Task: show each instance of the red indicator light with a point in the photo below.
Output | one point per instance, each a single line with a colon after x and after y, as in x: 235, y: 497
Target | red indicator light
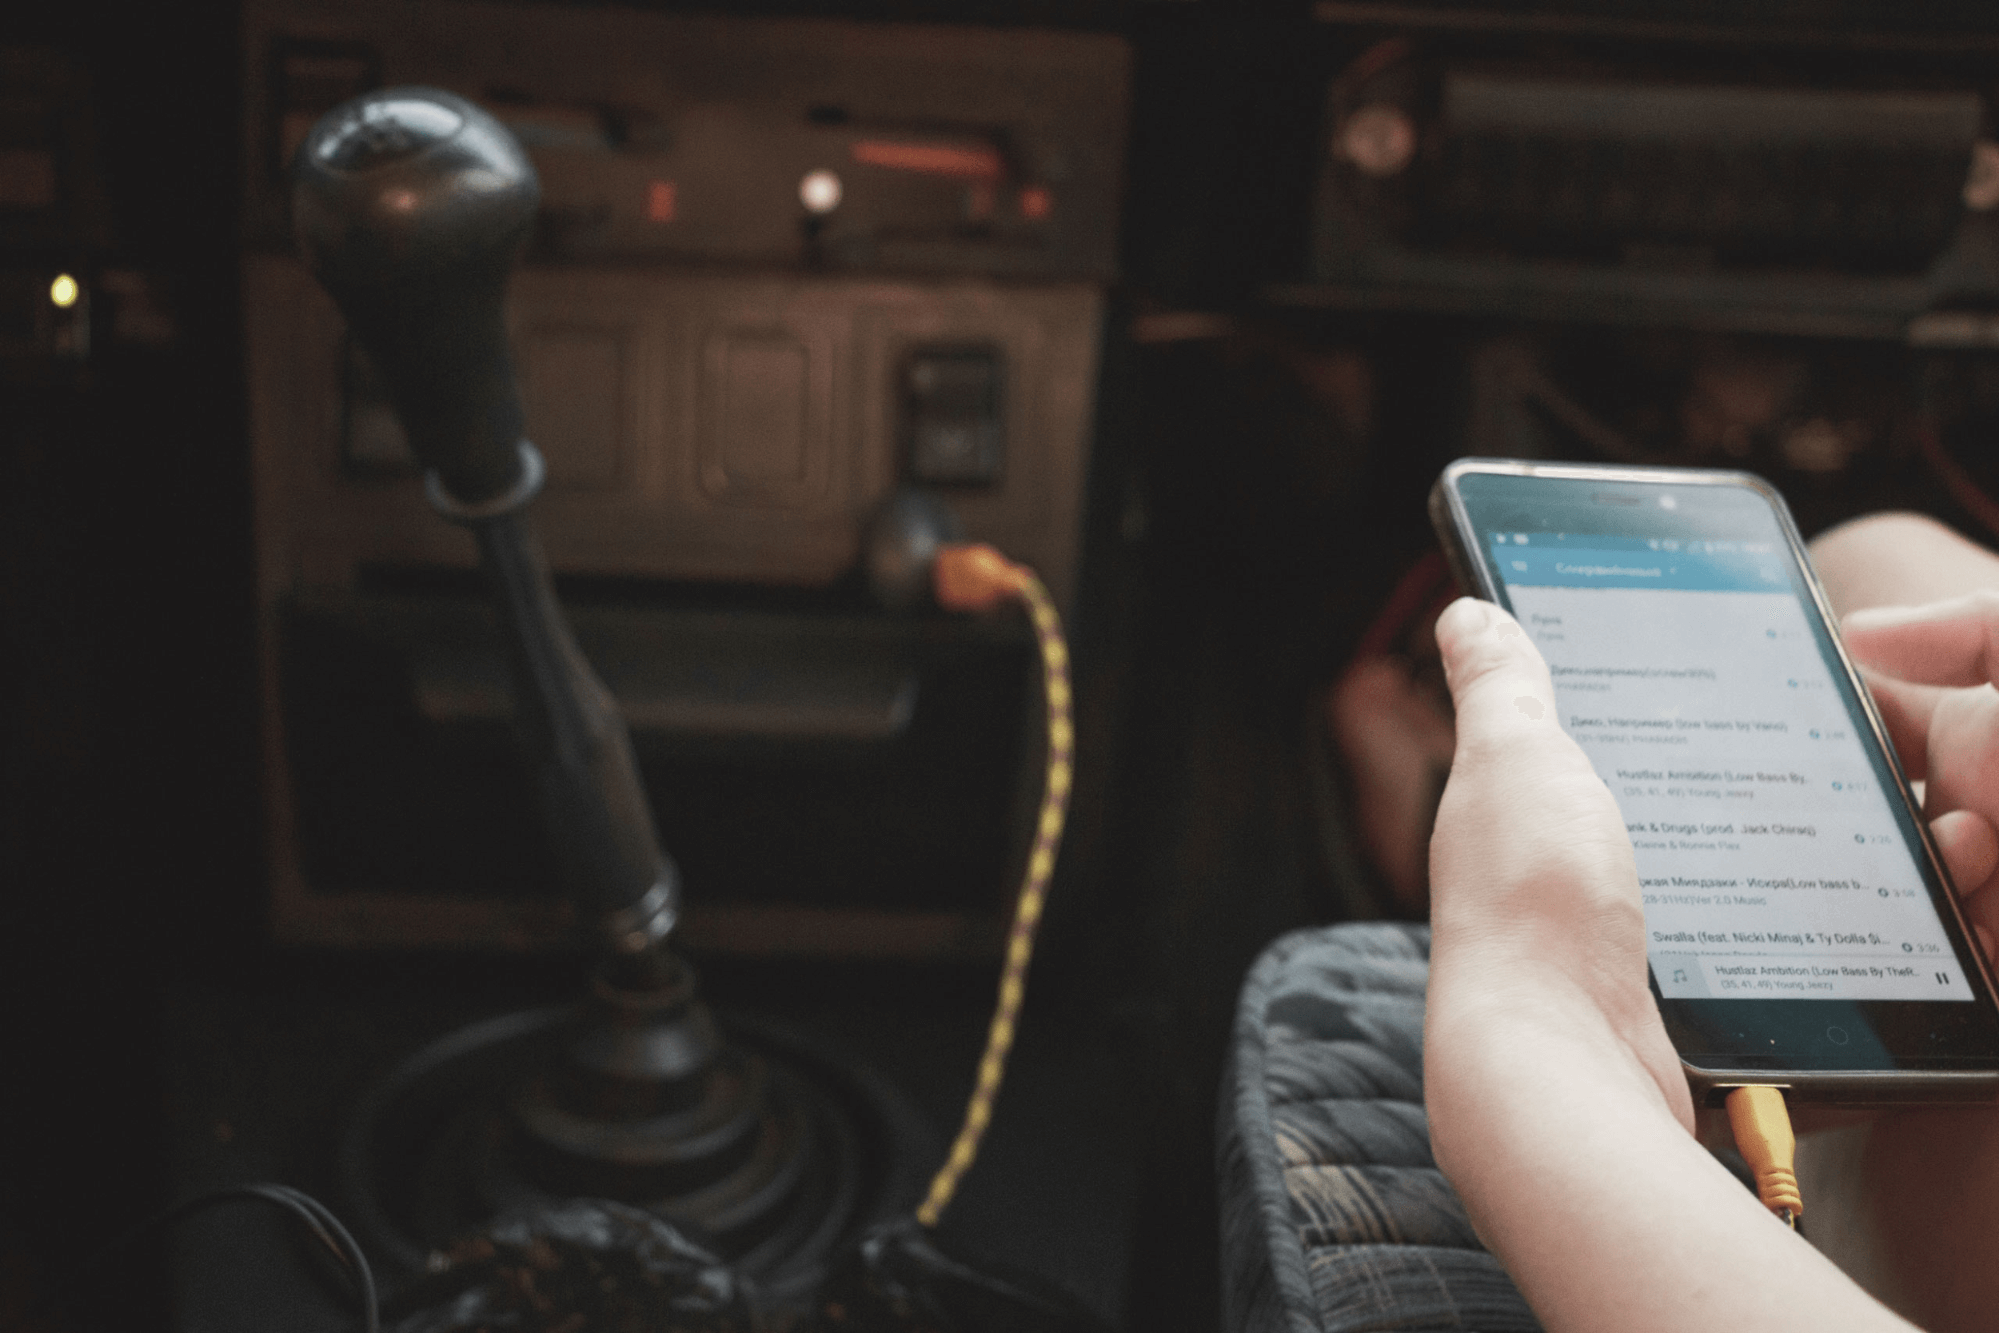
x: 1036, y: 203
x: 962, y: 163
x: 661, y: 201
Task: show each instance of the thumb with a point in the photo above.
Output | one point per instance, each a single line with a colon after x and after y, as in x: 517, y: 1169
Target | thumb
x: 1499, y: 683
x: 1523, y: 802
x: 1532, y: 877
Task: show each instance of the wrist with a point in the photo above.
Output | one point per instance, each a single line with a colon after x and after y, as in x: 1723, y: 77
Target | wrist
x: 1495, y: 1055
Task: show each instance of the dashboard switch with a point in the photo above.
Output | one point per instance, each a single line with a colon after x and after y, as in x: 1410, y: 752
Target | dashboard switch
x: 952, y: 415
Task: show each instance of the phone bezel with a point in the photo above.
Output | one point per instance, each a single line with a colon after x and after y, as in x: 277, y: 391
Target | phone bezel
x: 1711, y: 1074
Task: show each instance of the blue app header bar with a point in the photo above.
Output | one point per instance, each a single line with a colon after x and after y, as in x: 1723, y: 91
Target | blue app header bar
x: 1568, y: 560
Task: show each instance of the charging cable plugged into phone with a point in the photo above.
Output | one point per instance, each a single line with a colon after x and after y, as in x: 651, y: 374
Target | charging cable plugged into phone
x: 1762, y: 1125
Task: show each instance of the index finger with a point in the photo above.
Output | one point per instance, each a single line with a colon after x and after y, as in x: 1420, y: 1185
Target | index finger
x: 1954, y: 642
x: 1906, y: 709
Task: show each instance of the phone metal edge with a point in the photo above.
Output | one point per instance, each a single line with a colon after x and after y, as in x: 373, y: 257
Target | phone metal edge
x: 1452, y: 522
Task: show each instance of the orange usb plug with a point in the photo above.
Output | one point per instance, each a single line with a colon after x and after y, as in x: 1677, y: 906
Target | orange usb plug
x: 972, y: 576
x: 1763, y: 1136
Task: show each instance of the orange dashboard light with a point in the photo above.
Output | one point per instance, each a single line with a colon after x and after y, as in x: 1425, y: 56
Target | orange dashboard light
x: 1036, y: 203
x: 662, y: 201
x: 962, y: 163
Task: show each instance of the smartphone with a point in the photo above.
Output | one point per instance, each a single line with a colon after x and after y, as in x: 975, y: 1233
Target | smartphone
x: 1801, y: 928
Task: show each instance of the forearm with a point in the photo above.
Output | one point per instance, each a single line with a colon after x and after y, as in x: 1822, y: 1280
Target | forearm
x: 1603, y: 1208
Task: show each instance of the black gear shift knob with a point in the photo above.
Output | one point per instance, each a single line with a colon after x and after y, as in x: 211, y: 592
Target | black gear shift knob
x: 412, y: 205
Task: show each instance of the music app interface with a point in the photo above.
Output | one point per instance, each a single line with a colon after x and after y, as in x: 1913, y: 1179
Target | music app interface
x: 1768, y: 853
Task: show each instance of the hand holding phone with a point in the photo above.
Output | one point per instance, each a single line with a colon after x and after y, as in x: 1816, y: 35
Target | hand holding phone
x: 1799, y: 925
x: 1533, y: 912
x: 1552, y: 1074
x: 1557, y: 1106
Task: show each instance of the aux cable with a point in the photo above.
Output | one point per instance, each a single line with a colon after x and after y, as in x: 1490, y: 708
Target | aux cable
x: 1763, y: 1136
x: 977, y: 578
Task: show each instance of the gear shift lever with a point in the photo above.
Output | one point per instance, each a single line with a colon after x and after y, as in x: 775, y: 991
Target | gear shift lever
x: 412, y: 206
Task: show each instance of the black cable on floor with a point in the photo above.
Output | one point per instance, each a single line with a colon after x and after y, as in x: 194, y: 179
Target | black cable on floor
x: 318, y: 1219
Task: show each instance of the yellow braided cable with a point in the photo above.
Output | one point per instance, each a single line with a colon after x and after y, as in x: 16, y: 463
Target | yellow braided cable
x: 1027, y: 910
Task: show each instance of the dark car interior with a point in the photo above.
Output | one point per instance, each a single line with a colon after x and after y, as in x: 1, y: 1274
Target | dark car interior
x: 453, y: 830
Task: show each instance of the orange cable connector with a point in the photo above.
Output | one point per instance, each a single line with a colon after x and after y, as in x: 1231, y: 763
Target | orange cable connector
x: 1763, y: 1136
x: 974, y: 577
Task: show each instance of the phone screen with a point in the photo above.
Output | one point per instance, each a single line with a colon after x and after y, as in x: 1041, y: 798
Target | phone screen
x: 1768, y: 852
x: 1776, y: 857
